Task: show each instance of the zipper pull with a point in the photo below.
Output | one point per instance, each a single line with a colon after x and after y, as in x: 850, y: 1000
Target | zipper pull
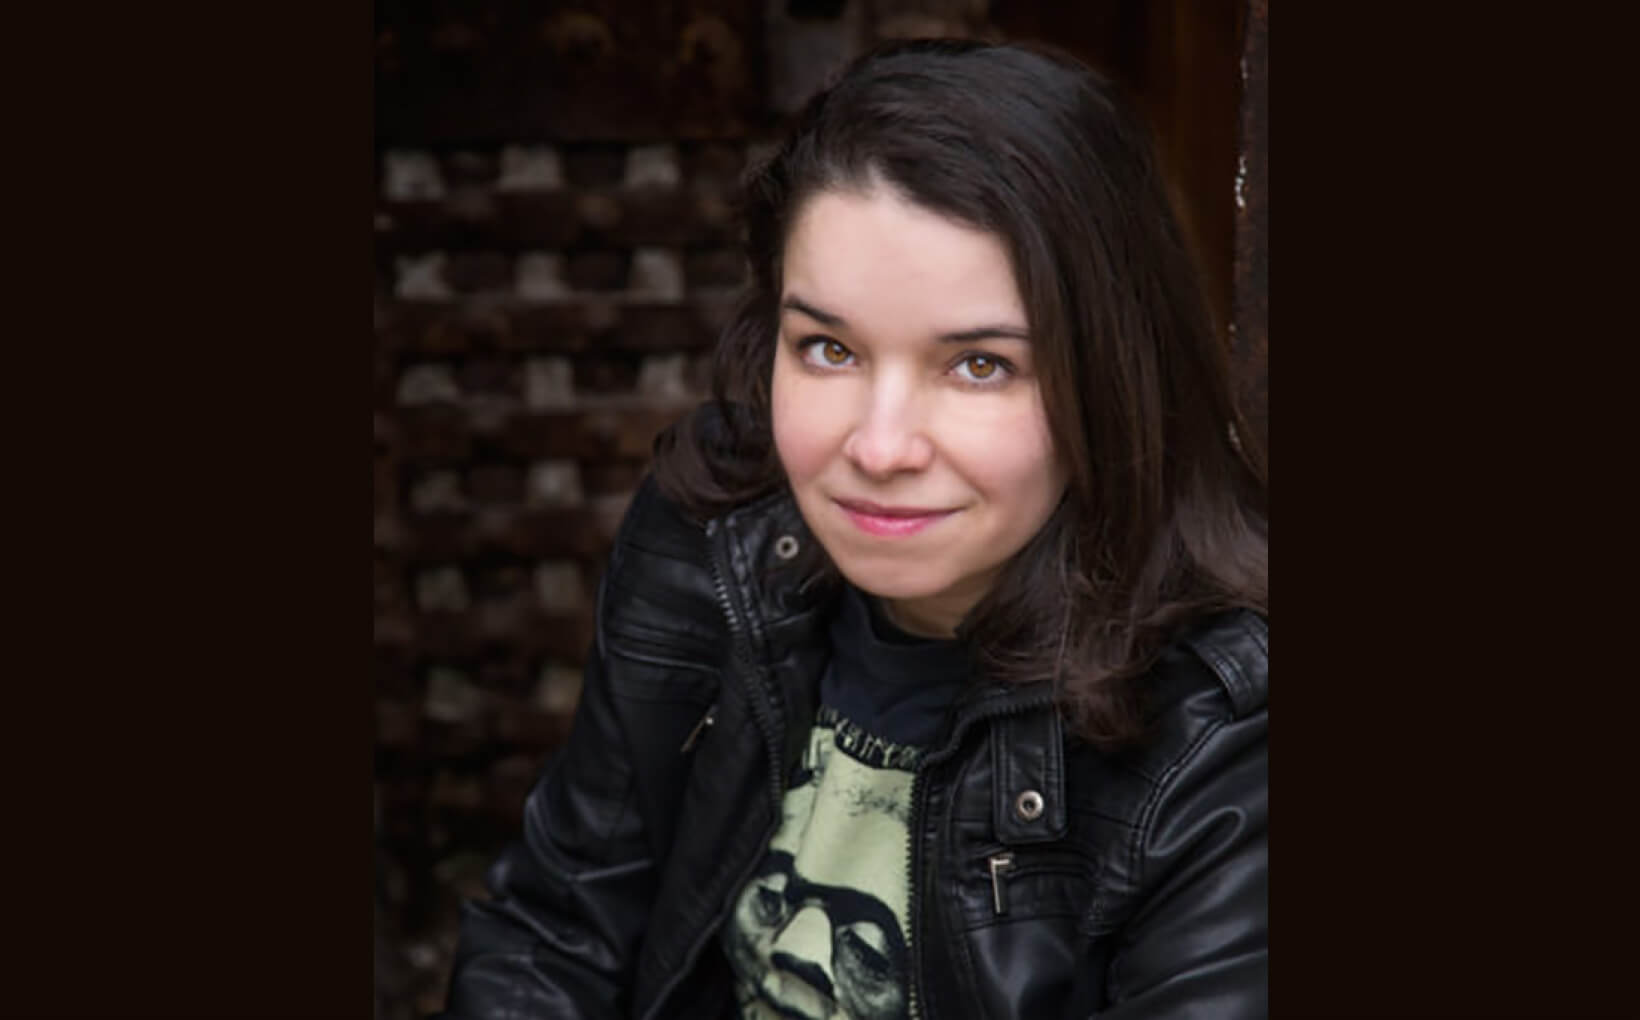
x: 1000, y: 863
x: 694, y: 735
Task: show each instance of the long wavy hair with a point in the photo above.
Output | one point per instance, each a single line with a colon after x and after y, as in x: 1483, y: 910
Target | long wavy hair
x: 1165, y: 516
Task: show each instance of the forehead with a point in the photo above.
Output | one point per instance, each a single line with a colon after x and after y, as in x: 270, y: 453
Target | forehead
x: 871, y: 255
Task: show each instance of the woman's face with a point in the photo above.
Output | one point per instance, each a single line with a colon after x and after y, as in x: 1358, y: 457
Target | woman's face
x: 906, y: 408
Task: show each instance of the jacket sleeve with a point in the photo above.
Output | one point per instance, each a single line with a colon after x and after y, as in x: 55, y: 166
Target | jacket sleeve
x: 560, y: 936
x: 1197, y: 945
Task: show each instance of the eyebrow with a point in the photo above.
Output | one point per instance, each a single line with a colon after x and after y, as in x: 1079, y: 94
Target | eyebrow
x: 834, y: 321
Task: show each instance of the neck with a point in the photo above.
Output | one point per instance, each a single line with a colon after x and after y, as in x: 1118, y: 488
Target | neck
x: 935, y: 617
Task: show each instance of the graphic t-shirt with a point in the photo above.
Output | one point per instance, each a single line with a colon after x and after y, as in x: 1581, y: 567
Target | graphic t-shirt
x: 821, y: 928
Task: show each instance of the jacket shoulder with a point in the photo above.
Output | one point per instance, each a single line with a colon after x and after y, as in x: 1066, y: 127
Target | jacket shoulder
x: 658, y: 596
x: 1187, y: 882
x: 1236, y: 648
x: 1204, y: 752
x: 655, y: 524
x: 1214, y: 672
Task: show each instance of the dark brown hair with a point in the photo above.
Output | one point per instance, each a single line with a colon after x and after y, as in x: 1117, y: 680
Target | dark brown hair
x: 1165, y: 517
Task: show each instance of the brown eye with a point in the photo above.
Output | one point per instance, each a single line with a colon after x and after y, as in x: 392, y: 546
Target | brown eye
x: 985, y: 370
x: 824, y: 354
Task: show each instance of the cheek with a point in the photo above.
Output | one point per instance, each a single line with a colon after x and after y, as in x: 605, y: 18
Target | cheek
x: 803, y: 425
x: 1010, y: 458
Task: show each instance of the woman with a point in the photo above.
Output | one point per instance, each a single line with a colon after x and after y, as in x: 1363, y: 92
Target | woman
x: 931, y: 664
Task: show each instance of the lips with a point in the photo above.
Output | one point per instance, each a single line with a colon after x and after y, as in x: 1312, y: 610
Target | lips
x: 890, y: 521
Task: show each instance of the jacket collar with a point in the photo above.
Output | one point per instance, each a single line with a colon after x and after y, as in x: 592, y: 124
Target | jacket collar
x: 787, y: 587
x: 784, y: 584
x: 784, y: 589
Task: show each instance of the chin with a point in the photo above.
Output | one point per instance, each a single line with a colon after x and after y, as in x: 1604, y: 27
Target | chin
x: 892, y: 580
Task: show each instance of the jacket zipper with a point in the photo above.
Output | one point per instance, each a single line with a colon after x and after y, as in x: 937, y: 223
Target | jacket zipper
x: 913, y: 996
x: 760, y: 710
x: 913, y: 911
x: 695, y: 734
x: 1005, y: 866
x: 1000, y: 863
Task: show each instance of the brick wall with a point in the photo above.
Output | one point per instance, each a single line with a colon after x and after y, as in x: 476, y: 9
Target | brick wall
x: 541, y: 312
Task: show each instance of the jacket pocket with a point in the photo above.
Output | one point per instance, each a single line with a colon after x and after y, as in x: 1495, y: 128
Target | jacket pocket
x: 1003, y: 883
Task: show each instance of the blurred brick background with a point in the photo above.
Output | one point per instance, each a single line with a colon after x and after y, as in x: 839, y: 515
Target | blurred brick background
x: 553, y: 255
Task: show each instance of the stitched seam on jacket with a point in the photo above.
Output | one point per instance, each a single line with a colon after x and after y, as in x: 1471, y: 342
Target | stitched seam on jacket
x: 613, y: 871
x: 1147, y: 815
x: 629, y: 796
x: 659, y: 663
x: 1147, y: 818
x: 1228, y: 671
x: 1141, y: 827
x: 1260, y: 633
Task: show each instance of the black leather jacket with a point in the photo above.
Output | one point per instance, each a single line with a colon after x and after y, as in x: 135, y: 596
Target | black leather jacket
x: 1137, y: 890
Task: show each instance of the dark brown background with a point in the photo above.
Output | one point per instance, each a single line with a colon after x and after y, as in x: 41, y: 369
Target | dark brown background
x: 552, y: 257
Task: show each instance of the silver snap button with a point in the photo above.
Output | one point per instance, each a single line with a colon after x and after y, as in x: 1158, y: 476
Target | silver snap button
x: 785, y: 547
x: 1028, y: 806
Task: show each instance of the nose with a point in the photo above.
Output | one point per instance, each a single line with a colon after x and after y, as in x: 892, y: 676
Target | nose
x: 890, y: 436
x: 802, y: 950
